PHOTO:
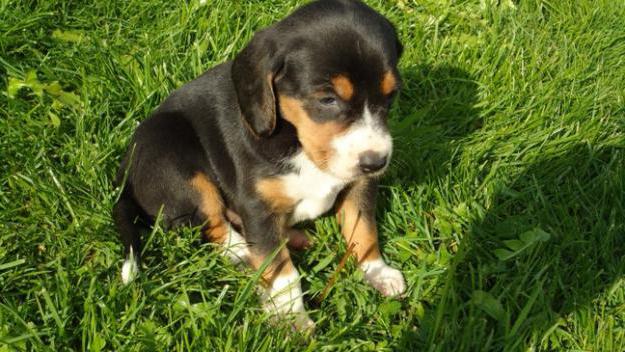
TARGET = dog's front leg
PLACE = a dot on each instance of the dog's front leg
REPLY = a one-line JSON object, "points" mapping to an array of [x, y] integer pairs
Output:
{"points": [[356, 215], [282, 294]]}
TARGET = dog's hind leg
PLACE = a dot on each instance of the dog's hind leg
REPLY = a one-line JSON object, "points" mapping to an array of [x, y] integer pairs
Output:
{"points": [[212, 214]]}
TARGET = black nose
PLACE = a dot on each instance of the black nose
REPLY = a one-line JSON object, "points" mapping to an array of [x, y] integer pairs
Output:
{"points": [[371, 162]]}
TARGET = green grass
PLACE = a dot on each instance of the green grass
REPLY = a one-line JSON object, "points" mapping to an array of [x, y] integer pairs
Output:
{"points": [[504, 206]]}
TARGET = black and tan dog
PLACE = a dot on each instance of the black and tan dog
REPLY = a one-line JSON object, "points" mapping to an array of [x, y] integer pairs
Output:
{"points": [[294, 126]]}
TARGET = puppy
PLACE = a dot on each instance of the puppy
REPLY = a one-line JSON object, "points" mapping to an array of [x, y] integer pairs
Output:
{"points": [[293, 127]]}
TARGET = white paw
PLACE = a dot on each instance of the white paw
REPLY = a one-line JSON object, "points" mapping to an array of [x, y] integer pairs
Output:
{"points": [[389, 281], [283, 299], [130, 269], [235, 247]]}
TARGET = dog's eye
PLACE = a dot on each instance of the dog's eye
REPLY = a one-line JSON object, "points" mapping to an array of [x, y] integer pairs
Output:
{"points": [[328, 100]]}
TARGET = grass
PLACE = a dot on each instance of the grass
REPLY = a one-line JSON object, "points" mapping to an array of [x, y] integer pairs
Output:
{"points": [[504, 206]]}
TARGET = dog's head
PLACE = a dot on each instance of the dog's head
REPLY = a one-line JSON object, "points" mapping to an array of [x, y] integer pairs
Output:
{"points": [[330, 70]]}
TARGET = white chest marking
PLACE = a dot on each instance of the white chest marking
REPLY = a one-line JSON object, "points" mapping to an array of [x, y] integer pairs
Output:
{"points": [[313, 190]]}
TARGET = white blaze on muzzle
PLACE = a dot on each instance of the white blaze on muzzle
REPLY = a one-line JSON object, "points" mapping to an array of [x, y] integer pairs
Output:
{"points": [[367, 135]]}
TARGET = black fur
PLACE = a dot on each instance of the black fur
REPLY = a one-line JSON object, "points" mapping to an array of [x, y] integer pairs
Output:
{"points": [[226, 123]]}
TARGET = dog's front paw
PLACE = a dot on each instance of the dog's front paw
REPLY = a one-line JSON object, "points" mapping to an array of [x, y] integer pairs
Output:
{"points": [[299, 318], [283, 300], [389, 281]]}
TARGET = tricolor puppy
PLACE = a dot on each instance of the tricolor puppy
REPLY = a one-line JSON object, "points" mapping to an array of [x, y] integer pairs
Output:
{"points": [[293, 127]]}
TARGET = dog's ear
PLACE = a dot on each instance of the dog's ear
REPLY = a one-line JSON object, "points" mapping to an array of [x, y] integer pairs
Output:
{"points": [[253, 74]]}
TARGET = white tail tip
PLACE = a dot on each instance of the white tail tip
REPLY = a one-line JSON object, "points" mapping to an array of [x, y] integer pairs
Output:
{"points": [[130, 269]]}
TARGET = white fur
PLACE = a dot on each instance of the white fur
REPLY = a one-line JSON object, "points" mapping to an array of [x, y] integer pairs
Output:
{"points": [[284, 297], [390, 282], [130, 269], [235, 247], [368, 134], [313, 190]]}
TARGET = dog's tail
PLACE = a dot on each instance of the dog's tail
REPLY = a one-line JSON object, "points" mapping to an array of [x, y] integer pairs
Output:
{"points": [[125, 212]]}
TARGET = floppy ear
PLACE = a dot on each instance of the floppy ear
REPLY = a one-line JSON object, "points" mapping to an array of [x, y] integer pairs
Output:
{"points": [[253, 73]]}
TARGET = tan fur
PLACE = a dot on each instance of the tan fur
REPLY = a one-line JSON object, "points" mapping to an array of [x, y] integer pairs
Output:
{"points": [[281, 265], [272, 191], [212, 206], [389, 83], [358, 229], [343, 87], [315, 137]]}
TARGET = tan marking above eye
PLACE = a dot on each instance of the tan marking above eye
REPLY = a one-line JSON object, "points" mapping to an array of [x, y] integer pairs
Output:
{"points": [[389, 83], [343, 87], [315, 137]]}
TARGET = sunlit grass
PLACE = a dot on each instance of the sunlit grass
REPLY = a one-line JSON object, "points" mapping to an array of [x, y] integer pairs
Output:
{"points": [[504, 206]]}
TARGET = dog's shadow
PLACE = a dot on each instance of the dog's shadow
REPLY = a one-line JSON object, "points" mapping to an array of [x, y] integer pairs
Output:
{"points": [[435, 110], [547, 245]]}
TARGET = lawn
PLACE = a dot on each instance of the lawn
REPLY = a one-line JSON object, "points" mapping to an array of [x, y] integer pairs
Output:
{"points": [[504, 206]]}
